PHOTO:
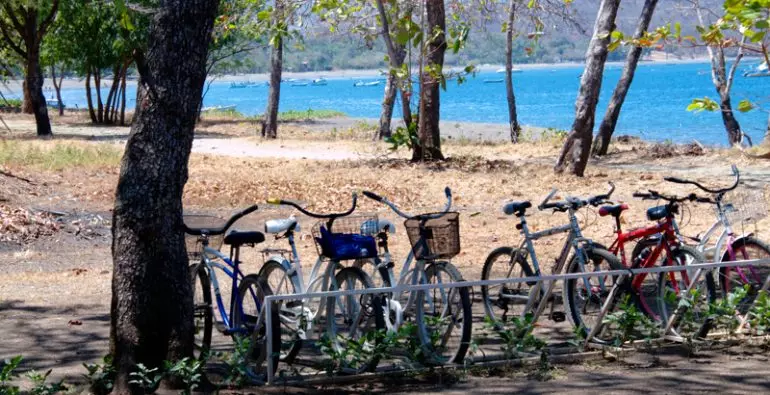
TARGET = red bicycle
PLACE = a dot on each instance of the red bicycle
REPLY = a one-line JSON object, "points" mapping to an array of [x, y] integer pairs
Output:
{"points": [[658, 295]]}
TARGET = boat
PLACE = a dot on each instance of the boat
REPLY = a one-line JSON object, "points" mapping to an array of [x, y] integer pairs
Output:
{"points": [[759, 71], [218, 108], [299, 83], [238, 85], [513, 70], [371, 83], [319, 81], [54, 104], [493, 81]]}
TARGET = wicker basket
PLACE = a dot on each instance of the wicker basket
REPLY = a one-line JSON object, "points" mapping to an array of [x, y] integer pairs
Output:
{"points": [[745, 205], [441, 235], [195, 243], [353, 231]]}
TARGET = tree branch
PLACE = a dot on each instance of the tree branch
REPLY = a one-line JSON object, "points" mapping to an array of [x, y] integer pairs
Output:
{"points": [[47, 21], [9, 40], [734, 67], [12, 16]]}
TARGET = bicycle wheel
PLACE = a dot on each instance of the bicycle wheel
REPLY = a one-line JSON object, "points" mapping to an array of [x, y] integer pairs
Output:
{"points": [[291, 313], [692, 319], [733, 278], [380, 276], [647, 289], [250, 322], [352, 327], [444, 316], [500, 300], [203, 315], [584, 298]]}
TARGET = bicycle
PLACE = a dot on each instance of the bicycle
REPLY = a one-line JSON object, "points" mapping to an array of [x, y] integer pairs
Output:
{"points": [[659, 297], [434, 238], [728, 246], [348, 318], [530, 296], [243, 317]]}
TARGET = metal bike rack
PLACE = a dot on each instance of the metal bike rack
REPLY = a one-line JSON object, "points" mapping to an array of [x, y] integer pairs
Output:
{"points": [[698, 268]]}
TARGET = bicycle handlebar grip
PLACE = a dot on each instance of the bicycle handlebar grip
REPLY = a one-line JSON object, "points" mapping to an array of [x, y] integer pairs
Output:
{"points": [[247, 211], [735, 170], [275, 201], [676, 180], [448, 192], [543, 205], [373, 196], [641, 195]]}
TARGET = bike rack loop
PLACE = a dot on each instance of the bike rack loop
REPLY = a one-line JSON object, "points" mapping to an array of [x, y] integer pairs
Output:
{"points": [[550, 277]]}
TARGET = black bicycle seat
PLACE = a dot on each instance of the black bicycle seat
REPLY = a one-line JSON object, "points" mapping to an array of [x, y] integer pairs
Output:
{"points": [[237, 239]]}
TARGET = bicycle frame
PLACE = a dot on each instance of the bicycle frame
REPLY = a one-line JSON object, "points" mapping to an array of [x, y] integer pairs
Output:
{"points": [[232, 270]]}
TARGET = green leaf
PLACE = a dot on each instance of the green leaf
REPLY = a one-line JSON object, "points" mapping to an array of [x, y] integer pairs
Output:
{"points": [[745, 106]]}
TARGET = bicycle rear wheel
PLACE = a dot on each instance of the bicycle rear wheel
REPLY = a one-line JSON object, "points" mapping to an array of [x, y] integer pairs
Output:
{"points": [[506, 300], [290, 312], [444, 316], [693, 317], [584, 298], [750, 277], [249, 321], [203, 315], [352, 324]]}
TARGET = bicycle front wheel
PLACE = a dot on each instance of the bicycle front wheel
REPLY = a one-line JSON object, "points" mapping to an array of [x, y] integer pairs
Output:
{"points": [[585, 297], [250, 323], [291, 313], [203, 314], [352, 327], [444, 316], [506, 300], [731, 279]]}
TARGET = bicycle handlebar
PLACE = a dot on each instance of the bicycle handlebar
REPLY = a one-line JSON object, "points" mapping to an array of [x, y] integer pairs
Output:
{"points": [[655, 195], [312, 214], [385, 201], [574, 202], [736, 174], [222, 229]]}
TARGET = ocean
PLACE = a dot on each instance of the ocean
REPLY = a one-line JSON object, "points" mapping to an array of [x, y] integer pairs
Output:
{"points": [[655, 108]]}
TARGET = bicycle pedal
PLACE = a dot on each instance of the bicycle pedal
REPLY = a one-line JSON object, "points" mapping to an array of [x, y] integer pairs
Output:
{"points": [[558, 316]]}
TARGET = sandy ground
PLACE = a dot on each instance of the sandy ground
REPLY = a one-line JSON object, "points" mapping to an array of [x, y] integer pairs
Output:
{"points": [[54, 294]]}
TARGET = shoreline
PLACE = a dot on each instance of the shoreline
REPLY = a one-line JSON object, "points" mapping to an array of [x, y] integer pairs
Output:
{"points": [[12, 87]]}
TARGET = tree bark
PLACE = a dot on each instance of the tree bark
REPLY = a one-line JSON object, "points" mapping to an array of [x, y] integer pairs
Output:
{"points": [[270, 123], [26, 103], [512, 116], [574, 154], [112, 96], [151, 313], [386, 115], [428, 131], [99, 103], [89, 99], [396, 56], [57, 88], [34, 79], [607, 127]]}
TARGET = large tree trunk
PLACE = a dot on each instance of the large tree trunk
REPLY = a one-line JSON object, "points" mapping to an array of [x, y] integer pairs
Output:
{"points": [[152, 315], [34, 80], [89, 99], [732, 127], [607, 127], [386, 115], [57, 88], [26, 102], [270, 123], [576, 149], [430, 78], [512, 116]]}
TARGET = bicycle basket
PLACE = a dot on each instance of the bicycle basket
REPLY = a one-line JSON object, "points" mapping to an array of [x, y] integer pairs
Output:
{"points": [[195, 243], [349, 237], [434, 238], [745, 205]]}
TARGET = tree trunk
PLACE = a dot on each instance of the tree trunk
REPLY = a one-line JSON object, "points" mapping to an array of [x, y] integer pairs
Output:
{"points": [[512, 117], [99, 103], [34, 80], [406, 108], [607, 127], [112, 96], [396, 56], [732, 127], [89, 100], [152, 315], [386, 115], [57, 87], [430, 78], [26, 103], [270, 123], [577, 147]]}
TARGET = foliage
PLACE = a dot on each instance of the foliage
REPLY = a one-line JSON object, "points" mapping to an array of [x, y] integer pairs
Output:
{"points": [[516, 334], [101, 377], [237, 362], [759, 316], [57, 155], [188, 370], [404, 136], [626, 323], [723, 312], [40, 387], [7, 373], [145, 378]]}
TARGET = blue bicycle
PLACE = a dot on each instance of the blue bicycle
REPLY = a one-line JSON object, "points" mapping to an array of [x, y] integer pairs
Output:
{"points": [[242, 317]]}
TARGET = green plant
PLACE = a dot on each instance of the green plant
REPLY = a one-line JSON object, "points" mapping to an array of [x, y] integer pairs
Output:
{"points": [[237, 362], [11, 103], [759, 316], [188, 370], [516, 334], [146, 378], [580, 336], [101, 376], [724, 312], [628, 323], [7, 373], [39, 385], [404, 136]]}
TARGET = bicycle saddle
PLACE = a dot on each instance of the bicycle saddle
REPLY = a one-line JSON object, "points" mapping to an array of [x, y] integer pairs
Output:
{"points": [[660, 212], [237, 239], [614, 210], [516, 208]]}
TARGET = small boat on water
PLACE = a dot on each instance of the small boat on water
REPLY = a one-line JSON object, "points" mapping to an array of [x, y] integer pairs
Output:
{"points": [[759, 71], [218, 108], [319, 81], [299, 83], [238, 85], [54, 103], [513, 70], [371, 83], [493, 81]]}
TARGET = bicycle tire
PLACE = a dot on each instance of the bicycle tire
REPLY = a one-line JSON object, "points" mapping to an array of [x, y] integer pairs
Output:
{"points": [[254, 287], [425, 330], [686, 326], [577, 302], [380, 276], [518, 291], [291, 340], [203, 315], [756, 275], [368, 309]]}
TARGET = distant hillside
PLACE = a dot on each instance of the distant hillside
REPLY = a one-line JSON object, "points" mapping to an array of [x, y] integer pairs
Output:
{"points": [[324, 51]]}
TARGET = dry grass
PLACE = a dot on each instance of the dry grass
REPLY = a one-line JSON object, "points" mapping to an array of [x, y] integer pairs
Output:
{"points": [[57, 155]]}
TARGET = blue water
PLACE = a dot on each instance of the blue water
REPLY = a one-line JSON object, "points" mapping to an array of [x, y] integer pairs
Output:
{"points": [[654, 108]]}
